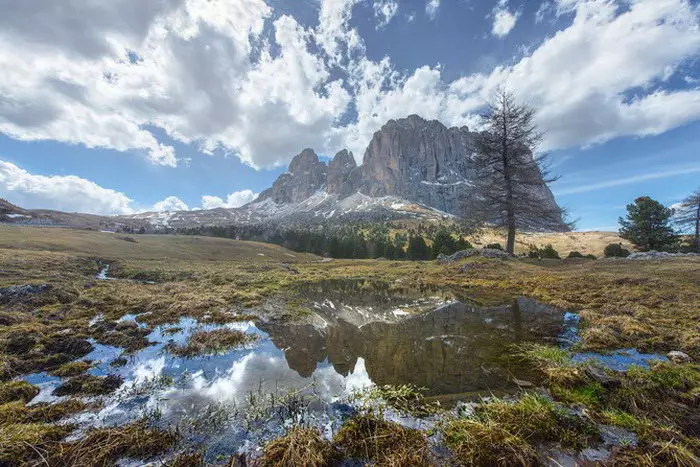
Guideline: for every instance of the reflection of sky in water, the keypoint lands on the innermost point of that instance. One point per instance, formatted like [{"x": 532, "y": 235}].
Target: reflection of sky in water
[
  {"x": 620, "y": 360},
  {"x": 205, "y": 383},
  {"x": 451, "y": 347}
]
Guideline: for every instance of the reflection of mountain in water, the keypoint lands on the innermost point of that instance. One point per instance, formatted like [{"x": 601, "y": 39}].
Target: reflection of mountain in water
[{"x": 454, "y": 348}]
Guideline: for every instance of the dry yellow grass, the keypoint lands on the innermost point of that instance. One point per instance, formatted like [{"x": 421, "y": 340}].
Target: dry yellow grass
[{"x": 584, "y": 242}]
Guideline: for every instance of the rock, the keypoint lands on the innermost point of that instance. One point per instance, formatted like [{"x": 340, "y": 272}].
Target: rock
[
  {"x": 16, "y": 293},
  {"x": 607, "y": 380},
  {"x": 484, "y": 252},
  {"x": 649, "y": 255},
  {"x": 677, "y": 356},
  {"x": 522, "y": 383}
]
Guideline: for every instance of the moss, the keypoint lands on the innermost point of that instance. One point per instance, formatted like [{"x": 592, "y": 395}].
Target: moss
[
  {"x": 104, "y": 446},
  {"x": 70, "y": 369},
  {"x": 89, "y": 385},
  {"x": 368, "y": 437},
  {"x": 300, "y": 446},
  {"x": 218, "y": 341},
  {"x": 17, "y": 390},
  {"x": 476, "y": 442},
  {"x": 22, "y": 444}
]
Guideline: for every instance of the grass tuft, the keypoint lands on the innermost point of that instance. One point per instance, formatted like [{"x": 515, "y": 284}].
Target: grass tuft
[
  {"x": 104, "y": 446},
  {"x": 300, "y": 446},
  {"x": 17, "y": 391},
  {"x": 475, "y": 442},
  {"x": 89, "y": 385},
  {"x": 71, "y": 369},
  {"x": 368, "y": 437},
  {"x": 218, "y": 341}
]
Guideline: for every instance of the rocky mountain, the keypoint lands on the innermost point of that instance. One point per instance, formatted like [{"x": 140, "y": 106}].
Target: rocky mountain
[{"x": 412, "y": 168}]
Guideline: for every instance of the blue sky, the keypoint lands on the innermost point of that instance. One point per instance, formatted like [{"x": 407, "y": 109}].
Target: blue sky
[{"x": 172, "y": 104}]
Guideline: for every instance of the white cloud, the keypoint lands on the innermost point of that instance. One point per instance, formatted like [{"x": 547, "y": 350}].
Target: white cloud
[
  {"x": 171, "y": 203},
  {"x": 203, "y": 72},
  {"x": 431, "y": 8},
  {"x": 233, "y": 200},
  {"x": 60, "y": 192},
  {"x": 503, "y": 19},
  {"x": 384, "y": 11},
  {"x": 656, "y": 174}
]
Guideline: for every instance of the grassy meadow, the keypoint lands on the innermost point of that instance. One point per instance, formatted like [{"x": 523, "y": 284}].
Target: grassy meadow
[{"x": 653, "y": 306}]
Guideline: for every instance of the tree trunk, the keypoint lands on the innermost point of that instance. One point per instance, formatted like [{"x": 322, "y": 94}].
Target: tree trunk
[{"x": 697, "y": 229}]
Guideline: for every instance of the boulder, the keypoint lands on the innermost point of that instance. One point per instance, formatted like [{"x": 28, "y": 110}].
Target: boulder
[
  {"x": 677, "y": 356},
  {"x": 605, "y": 378}
]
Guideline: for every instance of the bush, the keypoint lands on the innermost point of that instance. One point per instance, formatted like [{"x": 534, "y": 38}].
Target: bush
[
  {"x": 494, "y": 246},
  {"x": 548, "y": 252},
  {"x": 575, "y": 254},
  {"x": 615, "y": 250}
]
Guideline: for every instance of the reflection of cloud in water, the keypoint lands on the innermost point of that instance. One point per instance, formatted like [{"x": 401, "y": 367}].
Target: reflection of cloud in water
[{"x": 148, "y": 370}]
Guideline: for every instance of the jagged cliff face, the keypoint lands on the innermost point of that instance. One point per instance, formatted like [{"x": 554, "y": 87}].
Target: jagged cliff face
[
  {"x": 412, "y": 159},
  {"x": 341, "y": 173},
  {"x": 306, "y": 175},
  {"x": 422, "y": 161}
]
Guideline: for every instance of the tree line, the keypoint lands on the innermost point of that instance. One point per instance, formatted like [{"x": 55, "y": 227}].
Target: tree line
[{"x": 352, "y": 241}]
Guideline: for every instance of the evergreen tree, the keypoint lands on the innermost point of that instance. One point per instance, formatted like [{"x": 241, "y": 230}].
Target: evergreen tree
[
  {"x": 443, "y": 243},
  {"x": 360, "y": 247},
  {"x": 647, "y": 225},
  {"x": 417, "y": 248}
]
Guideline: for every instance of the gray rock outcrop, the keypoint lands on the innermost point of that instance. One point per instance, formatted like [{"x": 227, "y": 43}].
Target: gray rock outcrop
[
  {"x": 341, "y": 171},
  {"x": 306, "y": 175}
]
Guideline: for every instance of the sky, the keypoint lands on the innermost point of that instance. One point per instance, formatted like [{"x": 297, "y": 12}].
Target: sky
[{"x": 133, "y": 105}]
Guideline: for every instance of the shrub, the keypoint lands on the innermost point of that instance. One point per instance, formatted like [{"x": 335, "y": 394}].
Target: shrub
[
  {"x": 615, "y": 250},
  {"x": 575, "y": 254},
  {"x": 548, "y": 252},
  {"x": 494, "y": 246}
]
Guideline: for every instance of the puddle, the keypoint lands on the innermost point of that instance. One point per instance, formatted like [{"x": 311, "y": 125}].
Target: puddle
[
  {"x": 361, "y": 334},
  {"x": 620, "y": 360}
]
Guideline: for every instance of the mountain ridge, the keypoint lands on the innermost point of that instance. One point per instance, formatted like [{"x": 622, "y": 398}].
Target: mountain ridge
[{"x": 412, "y": 169}]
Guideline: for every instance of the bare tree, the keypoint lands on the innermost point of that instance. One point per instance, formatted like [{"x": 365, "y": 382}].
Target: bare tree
[
  {"x": 511, "y": 186},
  {"x": 688, "y": 214}
]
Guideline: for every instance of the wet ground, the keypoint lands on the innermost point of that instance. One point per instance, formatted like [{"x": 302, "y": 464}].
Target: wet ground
[{"x": 360, "y": 333}]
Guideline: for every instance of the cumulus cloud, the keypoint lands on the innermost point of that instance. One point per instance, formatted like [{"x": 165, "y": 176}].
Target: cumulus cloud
[
  {"x": 60, "y": 192},
  {"x": 431, "y": 8},
  {"x": 384, "y": 11},
  {"x": 203, "y": 72},
  {"x": 233, "y": 200},
  {"x": 171, "y": 203},
  {"x": 503, "y": 19}
]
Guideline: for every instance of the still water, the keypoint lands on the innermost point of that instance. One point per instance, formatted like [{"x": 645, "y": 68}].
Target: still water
[{"x": 357, "y": 334}]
